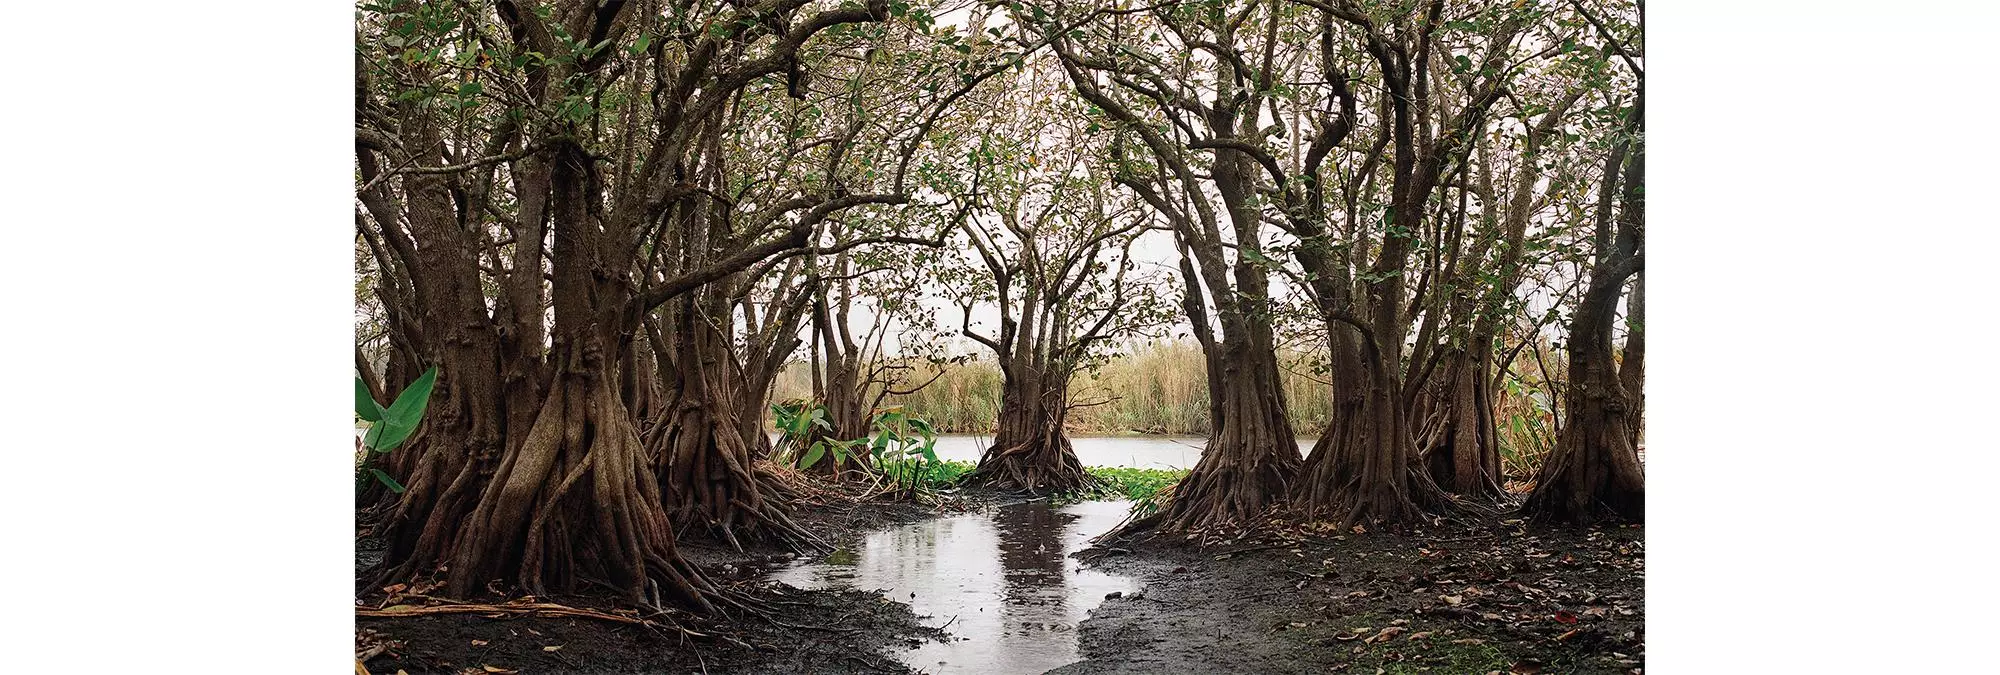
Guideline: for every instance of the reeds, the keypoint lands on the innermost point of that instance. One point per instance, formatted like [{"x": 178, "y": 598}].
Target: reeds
[{"x": 1157, "y": 389}]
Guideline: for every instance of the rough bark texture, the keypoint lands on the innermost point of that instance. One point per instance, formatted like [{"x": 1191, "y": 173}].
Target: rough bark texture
[
  {"x": 1632, "y": 362},
  {"x": 708, "y": 448},
  {"x": 1031, "y": 451},
  {"x": 1367, "y": 467},
  {"x": 1594, "y": 472},
  {"x": 1250, "y": 461}
]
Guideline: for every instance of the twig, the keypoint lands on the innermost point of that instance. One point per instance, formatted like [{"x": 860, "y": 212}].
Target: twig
[{"x": 547, "y": 608}]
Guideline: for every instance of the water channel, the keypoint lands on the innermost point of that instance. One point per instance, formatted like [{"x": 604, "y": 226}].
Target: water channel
[{"x": 1001, "y": 582}]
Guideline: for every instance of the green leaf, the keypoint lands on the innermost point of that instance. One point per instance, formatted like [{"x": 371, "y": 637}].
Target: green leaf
[
  {"x": 812, "y": 456},
  {"x": 387, "y": 481},
  {"x": 365, "y": 406},
  {"x": 402, "y": 417}
]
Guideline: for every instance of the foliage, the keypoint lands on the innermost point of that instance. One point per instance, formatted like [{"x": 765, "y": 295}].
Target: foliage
[
  {"x": 389, "y": 427},
  {"x": 901, "y": 448},
  {"x": 1133, "y": 483}
]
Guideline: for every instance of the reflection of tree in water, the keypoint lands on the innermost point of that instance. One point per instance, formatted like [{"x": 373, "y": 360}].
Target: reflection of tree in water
[{"x": 1031, "y": 558}]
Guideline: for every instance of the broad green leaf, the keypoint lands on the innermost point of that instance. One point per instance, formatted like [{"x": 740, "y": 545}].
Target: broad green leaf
[
  {"x": 402, "y": 417},
  {"x": 387, "y": 481},
  {"x": 817, "y": 451},
  {"x": 365, "y": 406}
]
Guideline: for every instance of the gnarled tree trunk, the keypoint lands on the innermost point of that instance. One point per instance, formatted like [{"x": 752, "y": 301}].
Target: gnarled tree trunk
[
  {"x": 1594, "y": 472},
  {"x": 1031, "y": 452},
  {"x": 707, "y": 447}
]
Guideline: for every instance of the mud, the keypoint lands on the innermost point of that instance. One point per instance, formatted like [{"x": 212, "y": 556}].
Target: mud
[{"x": 1468, "y": 598}]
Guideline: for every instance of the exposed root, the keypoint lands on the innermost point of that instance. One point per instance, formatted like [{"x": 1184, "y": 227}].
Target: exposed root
[{"x": 1045, "y": 463}]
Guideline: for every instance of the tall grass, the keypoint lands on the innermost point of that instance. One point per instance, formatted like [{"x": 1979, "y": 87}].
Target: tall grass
[
  {"x": 1157, "y": 389},
  {"x": 1524, "y": 410}
]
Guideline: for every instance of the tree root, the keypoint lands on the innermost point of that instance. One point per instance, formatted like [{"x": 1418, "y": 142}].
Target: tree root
[{"x": 524, "y": 608}]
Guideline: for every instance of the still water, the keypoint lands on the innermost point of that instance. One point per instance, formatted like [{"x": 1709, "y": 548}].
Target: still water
[
  {"x": 1001, "y": 582},
  {"x": 1146, "y": 452}
]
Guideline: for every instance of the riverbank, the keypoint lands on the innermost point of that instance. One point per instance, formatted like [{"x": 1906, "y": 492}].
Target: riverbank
[
  {"x": 817, "y": 631},
  {"x": 1478, "y": 597},
  {"x": 1484, "y": 595}
]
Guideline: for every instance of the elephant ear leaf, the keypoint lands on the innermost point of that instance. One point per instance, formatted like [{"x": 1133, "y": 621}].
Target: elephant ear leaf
[
  {"x": 402, "y": 417},
  {"x": 813, "y": 455},
  {"x": 365, "y": 406}
]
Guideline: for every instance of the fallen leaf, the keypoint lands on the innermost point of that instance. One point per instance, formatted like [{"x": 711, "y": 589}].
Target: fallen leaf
[
  {"x": 1453, "y": 600},
  {"x": 1565, "y": 636},
  {"x": 1386, "y": 633},
  {"x": 1563, "y": 616},
  {"x": 1418, "y": 636},
  {"x": 552, "y": 648},
  {"x": 1298, "y": 624},
  {"x": 497, "y": 669}
]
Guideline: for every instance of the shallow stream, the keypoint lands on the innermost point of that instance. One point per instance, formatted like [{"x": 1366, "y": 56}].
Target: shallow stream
[{"x": 1001, "y": 582}]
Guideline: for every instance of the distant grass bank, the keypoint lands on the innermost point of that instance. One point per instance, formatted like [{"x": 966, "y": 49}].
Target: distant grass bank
[{"x": 1160, "y": 389}]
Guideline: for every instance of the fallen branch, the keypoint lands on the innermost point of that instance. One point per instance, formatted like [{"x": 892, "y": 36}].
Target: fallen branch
[{"x": 544, "y": 608}]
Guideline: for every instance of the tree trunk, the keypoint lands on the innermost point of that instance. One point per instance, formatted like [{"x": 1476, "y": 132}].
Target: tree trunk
[
  {"x": 1632, "y": 364},
  {"x": 1594, "y": 472},
  {"x": 706, "y": 447},
  {"x": 1031, "y": 451},
  {"x": 567, "y": 499},
  {"x": 1462, "y": 455},
  {"x": 1250, "y": 460}
]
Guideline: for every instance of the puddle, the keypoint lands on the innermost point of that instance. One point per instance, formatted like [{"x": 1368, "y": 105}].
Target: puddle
[{"x": 1002, "y": 582}]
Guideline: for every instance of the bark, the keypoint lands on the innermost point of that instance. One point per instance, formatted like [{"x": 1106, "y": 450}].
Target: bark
[
  {"x": 1366, "y": 468},
  {"x": 839, "y": 387},
  {"x": 1031, "y": 451},
  {"x": 571, "y": 498},
  {"x": 1594, "y": 472},
  {"x": 1251, "y": 459},
  {"x": 1632, "y": 363},
  {"x": 708, "y": 449}
]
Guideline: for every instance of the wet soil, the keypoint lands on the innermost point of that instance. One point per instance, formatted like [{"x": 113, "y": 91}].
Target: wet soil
[
  {"x": 1478, "y": 597},
  {"x": 818, "y": 631},
  {"x": 1468, "y": 597}
]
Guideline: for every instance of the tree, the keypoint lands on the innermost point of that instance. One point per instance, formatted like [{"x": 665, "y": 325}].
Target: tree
[
  {"x": 1054, "y": 254},
  {"x": 1166, "y": 110},
  {"x": 1594, "y": 472},
  {"x": 538, "y": 179},
  {"x": 1364, "y": 467}
]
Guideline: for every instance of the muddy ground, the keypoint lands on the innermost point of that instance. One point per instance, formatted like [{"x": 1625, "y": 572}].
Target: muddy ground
[
  {"x": 828, "y": 631},
  {"x": 1474, "y": 597},
  {"x": 1467, "y": 597}
]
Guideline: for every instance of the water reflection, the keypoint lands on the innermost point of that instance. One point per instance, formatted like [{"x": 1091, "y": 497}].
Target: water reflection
[{"x": 1003, "y": 581}]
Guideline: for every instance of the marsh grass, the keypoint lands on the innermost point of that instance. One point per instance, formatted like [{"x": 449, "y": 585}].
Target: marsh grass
[{"x": 1156, "y": 389}]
